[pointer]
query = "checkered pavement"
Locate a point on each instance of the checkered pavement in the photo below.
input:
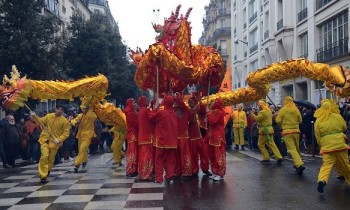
(97, 187)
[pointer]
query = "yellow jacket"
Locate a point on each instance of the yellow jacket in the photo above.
(264, 120)
(289, 119)
(86, 128)
(329, 134)
(118, 132)
(239, 119)
(58, 126)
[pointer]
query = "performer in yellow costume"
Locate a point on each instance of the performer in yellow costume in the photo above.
(289, 118)
(329, 131)
(51, 139)
(117, 145)
(84, 123)
(239, 124)
(264, 121)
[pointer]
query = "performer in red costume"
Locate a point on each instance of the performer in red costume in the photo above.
(217, 142)
(145, 139)
(131, 137)
(198, 137)
(166, 140)
(183, 155)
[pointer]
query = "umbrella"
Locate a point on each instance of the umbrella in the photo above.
(306, 104)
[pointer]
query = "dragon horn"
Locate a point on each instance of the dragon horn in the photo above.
(15, 75)
(5, 80)
(188, 13)
(177, 11)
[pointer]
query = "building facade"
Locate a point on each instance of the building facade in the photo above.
(217, 27)
(268, 31)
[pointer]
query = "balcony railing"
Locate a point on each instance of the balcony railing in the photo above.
(333, 50)
(254, 48)
(253, 17)
(321, 3)
(222, 11)
(226, 31)
(223, 51)
(279, 24)
(266, 34)
(302, 15)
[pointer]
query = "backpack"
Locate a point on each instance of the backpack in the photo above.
(98, 128)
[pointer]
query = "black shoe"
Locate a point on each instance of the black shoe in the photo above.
(321, 185)
(170, 181)
(264, 161)
(242, 148)
(5, 166)
(300, 170)
(83, 165)
(194, 175)
(48, 173)
(43, 181)
(236, 147)
(279, 161)
(342, 178)
(207, 173)
(185, 178)
(76, 168)
(133, 175)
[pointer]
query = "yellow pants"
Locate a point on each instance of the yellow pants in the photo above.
(116, 147)
(340, 159)
(261, 144)
(239, 136)
(83, 145)
(292, 144)
(47, 160)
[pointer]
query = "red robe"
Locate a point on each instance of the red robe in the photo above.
(145, 138)
(131, 137)
(183, 157)
(217, 143)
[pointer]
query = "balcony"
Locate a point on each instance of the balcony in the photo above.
(321, 3)
(302, 15)
(253, 17)
(279, 24)
(266, 34)
(334, 50)
(223, 51)
(222, 11)
(304, 56)
(226, 31)
(254, 48)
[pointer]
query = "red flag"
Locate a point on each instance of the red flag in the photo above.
(226, 85)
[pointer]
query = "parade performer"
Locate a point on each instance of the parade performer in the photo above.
(264, 121)
(289, 119)
(239, 124)
(217, 142)
(84, 125)
(51, 138)
(165, 140)
(198, 137)
(183, 156)
(145, 140)
(329, 131)
(131, 137)
(117, 144)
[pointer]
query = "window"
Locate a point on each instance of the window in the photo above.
(334, 30)
(304, 46)
(222, 23)
(254, 66)
(253, 10)
(52, 5)
(222, 4)
(223, 47)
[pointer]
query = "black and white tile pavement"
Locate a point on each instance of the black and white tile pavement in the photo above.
(98, 187)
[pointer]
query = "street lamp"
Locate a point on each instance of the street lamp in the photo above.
(236, 42)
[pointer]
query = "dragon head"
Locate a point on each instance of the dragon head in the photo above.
(14, 92)
(136, 56)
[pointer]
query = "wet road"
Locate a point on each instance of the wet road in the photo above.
(247, 185)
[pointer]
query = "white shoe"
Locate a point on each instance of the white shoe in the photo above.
(70, 159)
(212, 176)
(218, 178)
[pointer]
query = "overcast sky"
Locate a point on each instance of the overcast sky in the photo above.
(134, 18)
